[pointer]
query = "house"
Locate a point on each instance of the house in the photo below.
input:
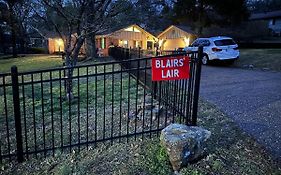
(37, 41)
(56, 44)
(175, 37)
(132, 36)
(273, 18)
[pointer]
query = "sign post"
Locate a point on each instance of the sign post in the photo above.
(170, 68)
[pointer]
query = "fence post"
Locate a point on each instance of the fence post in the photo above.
(197, 85)
(139, 52)
(16, 102)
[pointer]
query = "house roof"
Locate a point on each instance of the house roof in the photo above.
(266, 15)
(184, 28)
(113, 30)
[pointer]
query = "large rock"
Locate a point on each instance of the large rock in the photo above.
(183, 143)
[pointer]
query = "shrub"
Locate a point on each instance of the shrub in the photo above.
(37, 50)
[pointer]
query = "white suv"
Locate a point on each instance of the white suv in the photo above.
(216, 48)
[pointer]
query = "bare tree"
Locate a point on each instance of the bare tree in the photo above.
(15, 14)
(74, 21)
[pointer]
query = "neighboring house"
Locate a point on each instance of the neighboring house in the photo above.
(132, 36)
(273, 18)
(37, 41)
(56, 44)
(175, 37)
(46, 40)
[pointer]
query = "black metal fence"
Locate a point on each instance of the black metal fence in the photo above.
(112, 101)
(140, 53)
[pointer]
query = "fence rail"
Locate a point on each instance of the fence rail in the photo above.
(109, 102)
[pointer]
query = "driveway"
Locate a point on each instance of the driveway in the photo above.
(252, 98)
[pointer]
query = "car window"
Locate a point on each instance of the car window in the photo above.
(224, 42)
(205, 43)
(201, 42)
(195, 43)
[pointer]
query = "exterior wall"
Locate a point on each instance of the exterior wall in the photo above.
(55, 45)
(139, 35)
(108, 42)
(173, 44)
(175, 38)
(51, 46)
(37, 42)
(127, 37)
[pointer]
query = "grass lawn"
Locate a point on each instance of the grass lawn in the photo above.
(230, 151)
(260, 58)
(30, 62)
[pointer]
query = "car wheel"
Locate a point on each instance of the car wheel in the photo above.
(205, 59)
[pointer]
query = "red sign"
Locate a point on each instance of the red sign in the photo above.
(170, 68)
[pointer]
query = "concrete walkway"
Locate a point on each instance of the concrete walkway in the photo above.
(252, 98)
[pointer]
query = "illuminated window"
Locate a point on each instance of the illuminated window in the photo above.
(125, 44)
(138, 44)
(132, 29)
(103, 43)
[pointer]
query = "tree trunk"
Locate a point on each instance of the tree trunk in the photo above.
(13, 32)
(201, 11)
(91, 50)
(22, 46)
(14, 43)
(71, 61)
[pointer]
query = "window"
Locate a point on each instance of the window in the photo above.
(103, 43)
(149, 45)
(125, 44)
(132, 29)
(137, 44)
(224, 42)
(205, 43)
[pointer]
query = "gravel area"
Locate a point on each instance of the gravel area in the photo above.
(252, 98)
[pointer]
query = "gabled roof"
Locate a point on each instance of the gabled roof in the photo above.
(114, 30)
(266, 15)
(111, 30)
(186, 29)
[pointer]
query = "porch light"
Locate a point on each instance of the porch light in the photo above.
(59, 42)
(160, 42)
(186, 41)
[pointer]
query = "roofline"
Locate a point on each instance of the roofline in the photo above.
(145, 31)
(170, 28)
(167, 29)
(130, 26)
